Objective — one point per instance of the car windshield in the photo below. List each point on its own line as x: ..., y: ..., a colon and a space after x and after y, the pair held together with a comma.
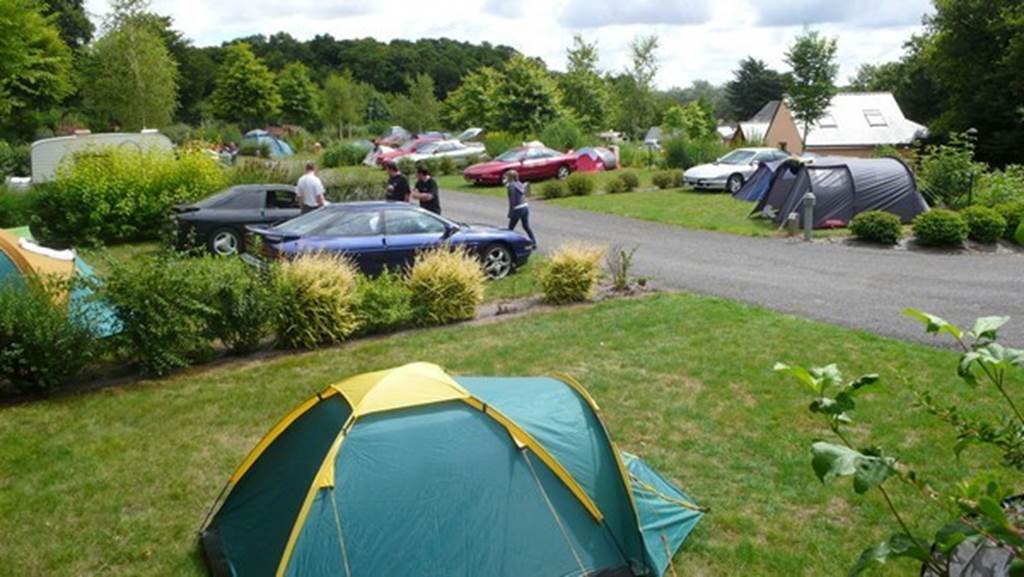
x: 216, y: 200
x: 738, y: 157
x: 428, y: 148
x: 513, y: 155
x: 306, y: 223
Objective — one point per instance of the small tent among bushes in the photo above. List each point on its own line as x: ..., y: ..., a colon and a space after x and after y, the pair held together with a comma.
x: 274, y: 145
x: 757, y: 185
x: 410, y: 471
x: 843, y: 188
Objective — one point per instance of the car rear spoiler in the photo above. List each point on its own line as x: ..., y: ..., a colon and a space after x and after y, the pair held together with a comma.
x: 183, y: 208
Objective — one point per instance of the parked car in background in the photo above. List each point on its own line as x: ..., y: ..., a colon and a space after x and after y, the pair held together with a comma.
x: 533, y: 162
x: 219, y: 221
x: 379, y: 235
x: 459, y: 152
x: 394, y: 137
x: 385, y: 154
x: 732, y: 170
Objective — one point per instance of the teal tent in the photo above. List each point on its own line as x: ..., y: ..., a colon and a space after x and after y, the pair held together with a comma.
x: 410, y: 471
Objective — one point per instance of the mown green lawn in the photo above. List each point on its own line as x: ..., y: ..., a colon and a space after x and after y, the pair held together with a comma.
x: 116, y: 482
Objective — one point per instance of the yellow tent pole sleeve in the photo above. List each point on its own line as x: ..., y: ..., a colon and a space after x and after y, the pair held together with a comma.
x: 522, y: 438
x: 323, y: 478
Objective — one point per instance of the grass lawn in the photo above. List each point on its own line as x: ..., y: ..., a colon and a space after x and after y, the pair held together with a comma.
x: 117, y: 482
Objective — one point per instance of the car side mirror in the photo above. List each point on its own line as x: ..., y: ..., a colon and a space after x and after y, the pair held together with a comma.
x: 449, y: 231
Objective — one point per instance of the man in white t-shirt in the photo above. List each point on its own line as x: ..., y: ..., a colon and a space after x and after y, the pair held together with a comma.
x: 310, y: 189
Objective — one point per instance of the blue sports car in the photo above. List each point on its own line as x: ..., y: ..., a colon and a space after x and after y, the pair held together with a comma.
x: 378, y: 235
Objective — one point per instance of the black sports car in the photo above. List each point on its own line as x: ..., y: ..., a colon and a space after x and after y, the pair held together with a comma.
x: 219, y: 221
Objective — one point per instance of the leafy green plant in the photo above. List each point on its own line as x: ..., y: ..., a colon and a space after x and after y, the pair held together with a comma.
x: 629, y: 179
x: 497, y: 142
x: 116, y: 195
x: 886, y: 151
x: 15, y: 160
x: 406, y: 166
x: 571, y: 274
x: 940, y: 227
x: 446, y: 165
x: 974, y: 506
x: 948, y: 171
x: 619, y: 261
x: 318, y: 301
x: 662, y: 179
x: 984, y: 224
x: 446, y: 286
x: 15, y: 207
x: 614, y: 186
x: 554, y: 189
x: 562, y: 134
x: 385, y: 303
x: 240, y: 299
x: 43, y: 345
x: 877, y: 226
x: 1000, y: 186
x: 1013, y: 214
x: 677, y: 153
x: 677, y: 179
x: 253, y: 171
x: 580, y: 184
x: 343, y: 154
x: 254, y: 148
x: 354, y: 184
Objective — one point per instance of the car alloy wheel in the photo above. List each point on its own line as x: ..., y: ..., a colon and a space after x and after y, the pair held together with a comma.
x: 563, y: 172
x: 224, y: 243
x: 497, y: 261
x: 734, y: 184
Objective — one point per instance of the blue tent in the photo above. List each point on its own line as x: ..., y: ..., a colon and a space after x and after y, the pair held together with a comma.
x: 758, y: 184
x: 277, y: 147
x: 410, y: 471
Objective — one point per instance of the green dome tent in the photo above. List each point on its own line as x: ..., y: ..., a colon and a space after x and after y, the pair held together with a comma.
x: 410, y: 471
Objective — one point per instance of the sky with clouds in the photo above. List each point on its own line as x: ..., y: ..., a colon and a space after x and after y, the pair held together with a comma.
x: 700, y: 39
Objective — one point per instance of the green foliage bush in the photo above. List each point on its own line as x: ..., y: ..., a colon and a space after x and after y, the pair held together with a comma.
x: 446, y: 165
x: 580, y: 184
x: 677, y: 153
x: 677, y: 178
x: 496, y: 142
x: 163, y: 310
x: 15, y: 207
x: 318, y: 301
x: 614, y: 186
x: 15, y: 160
x: 446, y: 286
x: 385, y: 303
x: 118, y: 195
x: 406, y: 166
x: 704, y: 150
x: 1000, y: 186
x: 662, y: 179
x: 947, y: 171
x: 877, y: 226
x: 940, y: 227
x: 554, y: 189
x: 42, y: 345
x: 629, y: 179
x: 562, y: 134
x: 571, y: 274
x: 254, y: 148
x: 1013, y: 214
x: 886, y: 151
x: 254, y: 171
x: 632, y: 156
x: 343, y: 154
x: 240, y: 299
x: 354, y: 184
x: 984, y: 224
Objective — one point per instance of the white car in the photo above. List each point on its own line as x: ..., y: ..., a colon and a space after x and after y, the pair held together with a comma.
x: 460, y: 152
x: 732, y: 170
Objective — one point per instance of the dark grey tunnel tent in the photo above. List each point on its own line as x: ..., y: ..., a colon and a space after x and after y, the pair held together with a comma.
x: 843, y: 188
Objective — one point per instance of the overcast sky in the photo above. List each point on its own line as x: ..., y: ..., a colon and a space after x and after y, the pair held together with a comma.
x: 700, y: 39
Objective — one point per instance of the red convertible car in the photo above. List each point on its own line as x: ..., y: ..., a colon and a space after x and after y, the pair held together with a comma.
x: 531, y: 162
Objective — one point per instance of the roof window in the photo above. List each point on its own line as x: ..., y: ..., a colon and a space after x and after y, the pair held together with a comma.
x: 875, y: 118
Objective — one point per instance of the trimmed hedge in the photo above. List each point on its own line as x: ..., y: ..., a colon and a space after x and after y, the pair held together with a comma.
x: 940, y: 227
x: 984, y: 224
x: 1013, y: 214
x: 877, y: 226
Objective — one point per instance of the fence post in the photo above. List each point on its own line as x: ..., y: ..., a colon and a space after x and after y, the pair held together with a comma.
x: 808, y: 217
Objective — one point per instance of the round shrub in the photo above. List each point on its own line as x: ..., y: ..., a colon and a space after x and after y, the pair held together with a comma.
x: 662, y: 179
x: 343, y: 154
x: 677, y: 153
x: 496, y: 142
x: 240, y: 301
x: 615, y: 186
x: 446, y: 165
x: 385, y: 303
x: 1013, y: 214
x: 42, y: 345
x: 630, y: 180
x: 406, y: 166
x: 984, y: 224
x: 318, y: 301
x: 677, y: 178
x: 562, y: 134
x: 940, y: 227
x: 877, y: 226
x: 571, y: 274
x: 580, y: 184
x: 446, y: 286
x: 554, y: 189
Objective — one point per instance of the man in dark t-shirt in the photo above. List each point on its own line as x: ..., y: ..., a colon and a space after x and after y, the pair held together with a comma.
x: 426, y: 191
x: 398, y: 185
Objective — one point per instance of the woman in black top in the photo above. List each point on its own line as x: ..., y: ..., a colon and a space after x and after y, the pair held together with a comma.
x: 426, y: 190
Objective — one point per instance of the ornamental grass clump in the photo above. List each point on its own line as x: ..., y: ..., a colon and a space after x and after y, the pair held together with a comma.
x: 572, y: 273
x: 317, y: 301
x: 446, y: 286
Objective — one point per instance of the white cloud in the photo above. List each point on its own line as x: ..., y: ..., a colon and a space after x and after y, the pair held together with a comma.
x: 699, y: 40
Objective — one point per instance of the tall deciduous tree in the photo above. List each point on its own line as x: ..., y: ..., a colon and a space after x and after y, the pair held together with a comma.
x: 35, y: 64
x: 526, y: 99
x: 418, y: 110
x: 71, y: 20
x: 753, y: 85
x: 812, y: 83
x: 472, y: 103
x: 343, y: 102
x: 130, y: 78
x: 584, y: 92
x: 635, y: 92
x: 245, y: 92
x: 298, y: 95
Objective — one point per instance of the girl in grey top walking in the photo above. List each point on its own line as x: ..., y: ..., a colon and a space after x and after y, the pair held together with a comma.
x: 518, y: 209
